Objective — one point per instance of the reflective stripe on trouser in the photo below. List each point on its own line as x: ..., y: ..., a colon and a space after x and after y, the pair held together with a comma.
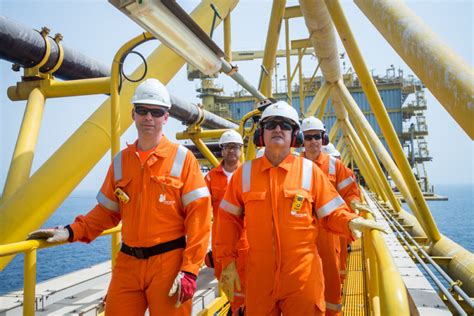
x: 329, y: 248
x: 333, y: 309
x: 137, y: 282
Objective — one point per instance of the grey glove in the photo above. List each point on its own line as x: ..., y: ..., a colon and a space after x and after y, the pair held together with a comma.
x: 57, y: 234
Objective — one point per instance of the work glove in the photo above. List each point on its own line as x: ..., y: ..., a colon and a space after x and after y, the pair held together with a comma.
x: 57, y: 234
x: 359, y: 207
x: 229, y: 277
x: 184, y: 285
x: 358, y: 224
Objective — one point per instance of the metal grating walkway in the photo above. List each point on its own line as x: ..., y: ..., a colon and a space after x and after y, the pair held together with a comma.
x: 354, y: 291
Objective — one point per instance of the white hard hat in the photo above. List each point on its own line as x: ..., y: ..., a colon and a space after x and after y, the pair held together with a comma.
x: 152, y: 92
x: 329, y: 149
x: 282, y: 109
x: 230, y: 136
x: 260, y: 152
x: 312, y: 123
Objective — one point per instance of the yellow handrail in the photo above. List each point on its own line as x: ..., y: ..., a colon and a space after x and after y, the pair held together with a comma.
x: 29, y: 247
x: 386, y: 289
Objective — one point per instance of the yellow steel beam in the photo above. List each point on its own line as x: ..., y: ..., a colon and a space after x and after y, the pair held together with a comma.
x: 58, y: 89
x: 273, y: 34
x: 383, y: 119
x: 201, y: 146
x: 301, y: 81
x: 445, y: 73
x: 288, y: 61
x: 29, y: 282
x: 320, y: 99
x: 258, y: 54
x: 300, y: 59
x: 422, y: 214
x: 301, y: 43
x: 293, y: 12
x: 24, y: 152
x: 333, y: 131
x: 227, y: 39
x: 55, y: 180
x: 211, y: 133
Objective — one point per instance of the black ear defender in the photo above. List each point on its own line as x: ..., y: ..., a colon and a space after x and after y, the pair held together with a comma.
x: 258, y: 137
x: 325, y: 139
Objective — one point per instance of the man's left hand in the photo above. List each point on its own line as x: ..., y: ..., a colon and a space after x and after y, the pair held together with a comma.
x: 359, y: 224
x: 359, y: 207
x: 184, y: 285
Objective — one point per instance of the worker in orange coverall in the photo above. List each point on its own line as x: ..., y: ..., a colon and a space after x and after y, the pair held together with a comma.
x: 217, y: 180
x: 156, y: 188
x: 329, y: 245
x: 355, y: 204
x: 280, y: 197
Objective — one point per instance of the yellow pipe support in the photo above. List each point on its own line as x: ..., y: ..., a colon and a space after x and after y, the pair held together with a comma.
x: 448, y: 76
x: 320, y: 99
x: 424, y: 216
x: 37, y: 199
x: 205, y: 151
x: 419, y: 205
x: 288, y: 61
x: 29, y: 283
x: 57, y: 89
x: 300, y: 57
x: 293, y: 12
x: 271, y: 44
x: 211, y: 133
x: 339, y: 142
x: 227, y: 39
x: 365, y: 157
x: 301, y: 81
x: 22, y: 159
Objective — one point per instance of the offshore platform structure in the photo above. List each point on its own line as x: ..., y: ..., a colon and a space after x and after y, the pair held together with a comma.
x: 384, y: 276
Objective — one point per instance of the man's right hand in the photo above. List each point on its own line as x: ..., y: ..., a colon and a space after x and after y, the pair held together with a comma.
x: 229, y: 277
x: 58, y: 234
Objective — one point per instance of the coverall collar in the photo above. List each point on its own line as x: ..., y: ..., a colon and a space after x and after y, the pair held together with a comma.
x: 161, y: 150
x: 285, y: 164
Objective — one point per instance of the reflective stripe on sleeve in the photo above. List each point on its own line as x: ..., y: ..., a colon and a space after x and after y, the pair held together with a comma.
x: 344, y: 183
x: 332, y: 165
x: 179, y: 161
x: 107, y: 203
x: 246, y: 170
x: 194, y: 195
x: 307, y: 174
x: 334, y: 307
x: 231, y: 208
x: 118, y: 167
x: 330, y: 206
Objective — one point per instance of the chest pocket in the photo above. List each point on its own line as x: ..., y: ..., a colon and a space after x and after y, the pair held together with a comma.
x: 165, y: 196
x: 254, y: 208
x: 298, y: 208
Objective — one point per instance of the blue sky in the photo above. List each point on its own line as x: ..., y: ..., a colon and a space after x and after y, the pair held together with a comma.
x: 97, y: 29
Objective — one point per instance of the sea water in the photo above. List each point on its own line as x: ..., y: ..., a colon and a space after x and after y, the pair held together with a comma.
x: 454, y: 219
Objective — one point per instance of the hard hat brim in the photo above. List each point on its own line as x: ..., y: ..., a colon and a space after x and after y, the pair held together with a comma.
x: 151, y: 102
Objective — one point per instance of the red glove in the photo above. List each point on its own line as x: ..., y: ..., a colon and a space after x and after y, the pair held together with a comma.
x: 184, y: 285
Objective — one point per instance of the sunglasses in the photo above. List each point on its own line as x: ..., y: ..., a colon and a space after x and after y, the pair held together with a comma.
x: 271, y: 125
x: 140, y: 110
x: 315, y: 137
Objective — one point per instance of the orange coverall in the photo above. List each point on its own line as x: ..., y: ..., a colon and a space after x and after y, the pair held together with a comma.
x: 168, y: 199
x: 333, y: 251
x: 283, y: 266
x: 216, y: 181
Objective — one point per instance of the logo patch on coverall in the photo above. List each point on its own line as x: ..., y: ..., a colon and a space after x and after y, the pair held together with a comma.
x: 296, y: 206
x: 162, y: 199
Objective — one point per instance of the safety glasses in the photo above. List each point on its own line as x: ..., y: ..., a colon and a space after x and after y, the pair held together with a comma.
x: 310, y: 137
x: 231, y: 146
x: 140, y: 110
x: 271, y: 125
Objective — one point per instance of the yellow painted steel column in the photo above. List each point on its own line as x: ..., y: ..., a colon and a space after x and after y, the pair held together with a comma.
x: 424, y: 216
x: 301, y: 81
x: 227, y: 38
x: 448, y: 76
x: 362, y: 166
x: 319, y: 100
x: 333, y: 131
x: 288, y: 61
x: 22, y: 159
x: 383, y: 119
x: 55, y: 180
x: 205, y: 151
x: 29, y: 282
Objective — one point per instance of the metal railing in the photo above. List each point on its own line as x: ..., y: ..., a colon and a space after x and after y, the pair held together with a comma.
x: 29, y: 248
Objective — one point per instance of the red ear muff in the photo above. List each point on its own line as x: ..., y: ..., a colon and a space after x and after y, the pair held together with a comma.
x: 258, y: 137
x: 297, y: 138
x: 325, y: 139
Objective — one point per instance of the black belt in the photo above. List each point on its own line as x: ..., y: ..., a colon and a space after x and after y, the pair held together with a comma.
x: 147, y: 252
